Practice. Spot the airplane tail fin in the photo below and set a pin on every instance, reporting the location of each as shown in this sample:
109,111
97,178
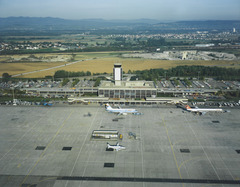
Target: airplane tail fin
188,107
108,106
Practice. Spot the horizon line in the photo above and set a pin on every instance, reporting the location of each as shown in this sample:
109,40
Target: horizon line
119,19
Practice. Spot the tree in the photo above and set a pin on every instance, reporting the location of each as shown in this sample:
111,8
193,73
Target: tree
6,76
88,73
97,82
129,72
60,74
65,81
75,82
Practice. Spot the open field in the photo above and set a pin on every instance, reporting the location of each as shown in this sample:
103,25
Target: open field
101,62
91,40
18,68
51,57
52,146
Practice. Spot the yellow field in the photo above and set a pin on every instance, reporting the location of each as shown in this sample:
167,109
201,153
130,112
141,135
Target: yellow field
17,68
104,64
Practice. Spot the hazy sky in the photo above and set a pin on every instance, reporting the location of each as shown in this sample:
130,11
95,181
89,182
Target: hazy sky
124,9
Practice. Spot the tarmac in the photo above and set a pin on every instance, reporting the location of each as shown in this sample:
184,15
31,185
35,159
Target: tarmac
52,146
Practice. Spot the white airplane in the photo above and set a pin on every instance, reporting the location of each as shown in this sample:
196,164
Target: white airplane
120,111
203,110
116,147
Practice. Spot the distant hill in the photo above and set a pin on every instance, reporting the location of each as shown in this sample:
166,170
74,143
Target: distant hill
40,24
49,23
209,24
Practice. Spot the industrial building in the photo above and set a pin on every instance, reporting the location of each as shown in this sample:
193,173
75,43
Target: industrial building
204,45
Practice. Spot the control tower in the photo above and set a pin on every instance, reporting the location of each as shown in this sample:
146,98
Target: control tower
117,73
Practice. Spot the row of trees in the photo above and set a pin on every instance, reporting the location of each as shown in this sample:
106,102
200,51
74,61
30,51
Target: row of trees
218,73
190,71
64,74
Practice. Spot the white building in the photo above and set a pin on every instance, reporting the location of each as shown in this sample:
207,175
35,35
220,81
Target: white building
117,73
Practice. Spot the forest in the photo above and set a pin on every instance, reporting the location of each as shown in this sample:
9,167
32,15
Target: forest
218,73
201,72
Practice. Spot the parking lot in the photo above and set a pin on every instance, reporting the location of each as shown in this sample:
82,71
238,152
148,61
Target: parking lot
52,146
44,84
206,84
202,84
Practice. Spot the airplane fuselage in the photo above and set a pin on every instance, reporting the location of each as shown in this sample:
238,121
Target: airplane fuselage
116,147
205,110
202,110
120,110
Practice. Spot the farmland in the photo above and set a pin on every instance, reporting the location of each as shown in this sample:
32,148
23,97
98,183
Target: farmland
99,62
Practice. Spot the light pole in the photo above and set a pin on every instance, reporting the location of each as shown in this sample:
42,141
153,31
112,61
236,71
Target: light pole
53,76
198,75
13,93
14,102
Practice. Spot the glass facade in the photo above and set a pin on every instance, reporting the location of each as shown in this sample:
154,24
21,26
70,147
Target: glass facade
127,93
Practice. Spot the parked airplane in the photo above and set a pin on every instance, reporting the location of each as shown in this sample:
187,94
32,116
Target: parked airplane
203,110
116,147
120,111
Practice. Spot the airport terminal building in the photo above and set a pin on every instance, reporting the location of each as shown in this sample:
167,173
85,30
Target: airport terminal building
127,92
117,91
127,89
